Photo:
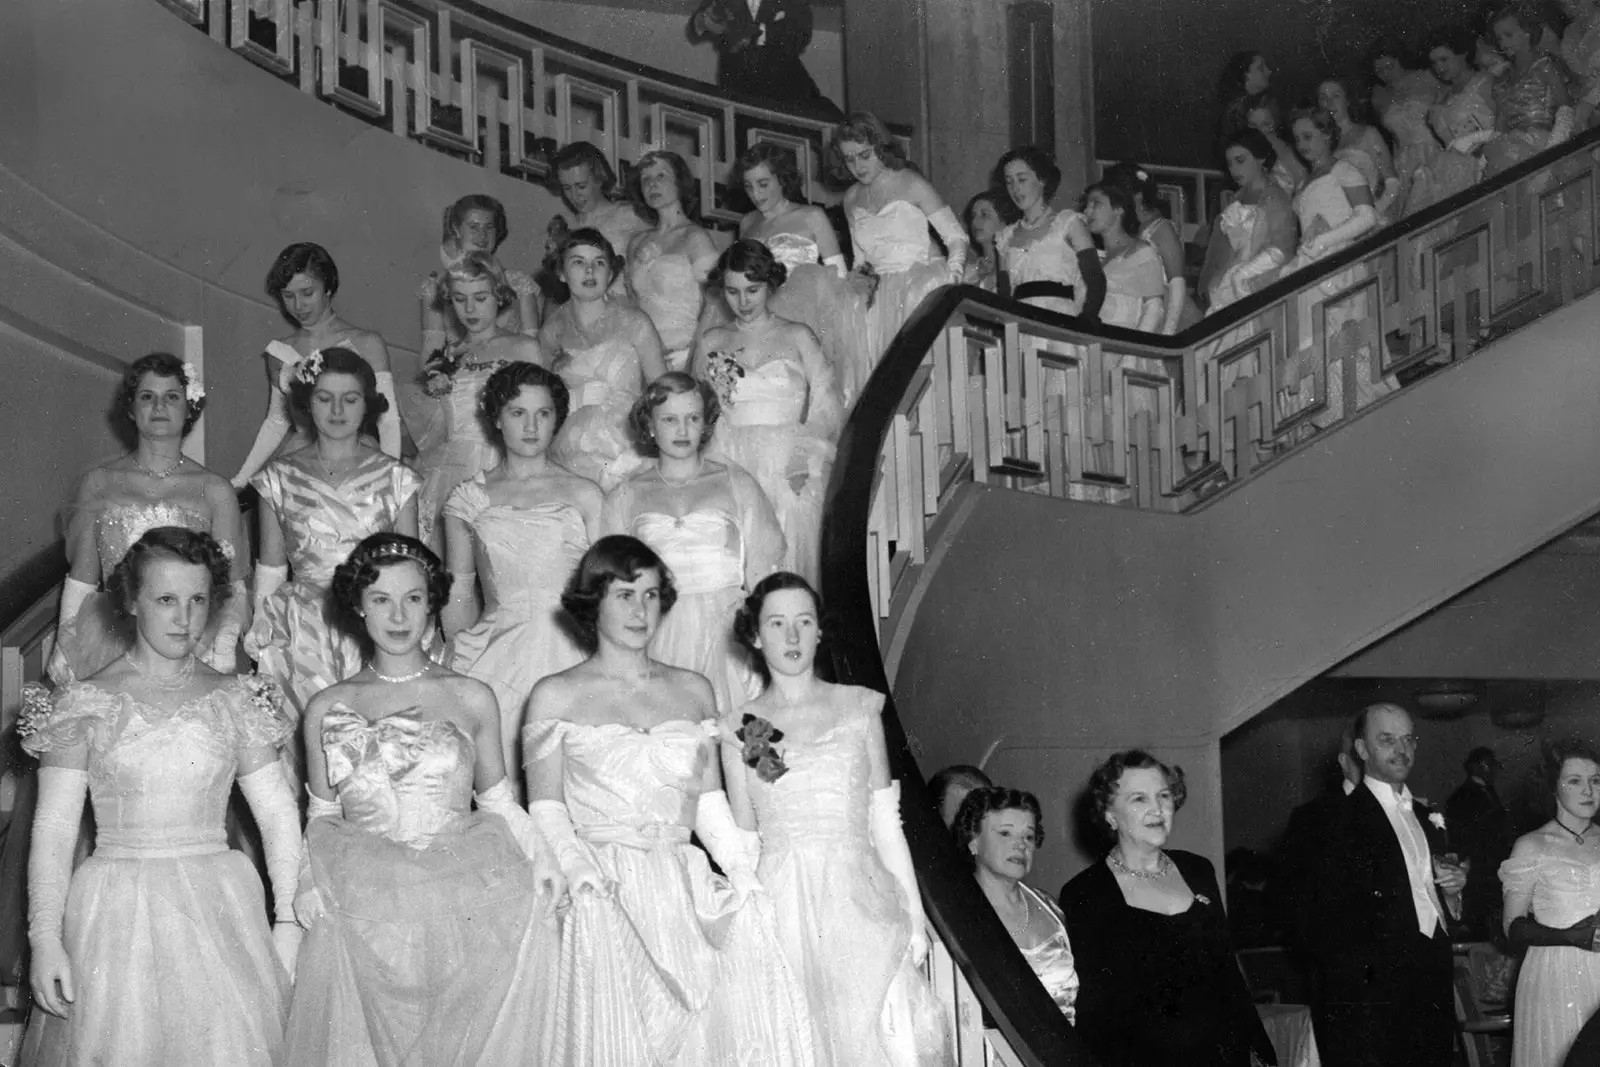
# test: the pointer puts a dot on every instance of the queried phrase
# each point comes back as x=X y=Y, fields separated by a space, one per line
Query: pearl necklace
x=1027 y=916
x=158 y=475
x=1118 y=864
x=173 y=682
x=396 y=679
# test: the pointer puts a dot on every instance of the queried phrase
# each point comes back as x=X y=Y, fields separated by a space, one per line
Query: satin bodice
x=703 y=549
x=120 y=524
x=322 y=523
x=824 y=797
x=667 y=291
x=1322 y=204
x=601 y=372
x=773 y=394
x=1526 y=103
x=793 y=249
x=1464 y=112
x=893 y=239
x=405 y=778
x=524 y=555
x=1047 y=258
x=1238 y=223
x=1051 y=959
x=1131 y=279
x=1564 y=890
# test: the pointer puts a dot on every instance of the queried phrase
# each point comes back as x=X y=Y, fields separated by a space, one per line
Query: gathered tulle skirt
x=1558 y=990
x=815 y=295
x=437 y=955
x=597 y=443
x=697 y=635
x=766 y=452
x=897 y=296
x=174 y=965
x=443 y=467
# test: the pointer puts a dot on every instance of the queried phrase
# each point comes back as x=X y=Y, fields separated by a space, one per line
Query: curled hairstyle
x=1527 y=17
x=1355 y=101
x=583 y=154
x=477 y=266
x=160 y=365
x=673 y=383
x=590 y=237
x=1255 y=142
x=777 y=160
x=863 y=127
x=456 y=214
x=1319 y=118
x=362 y=567
x=1558 y=752
x=682 y=177
x=1458 y=39
x=1121 y=198
x=168 y=542
x=614 y=558
x=747 y=620
x=1036 y=159
x=985 y=801
x=996 y=199
x=941 y=783
x=1103 y=787
x=1230 y=86
x=752 y=259
x=1263 y=102
x=1140 y=181
x=344 y=361
x=306 y=258
x=505 y=384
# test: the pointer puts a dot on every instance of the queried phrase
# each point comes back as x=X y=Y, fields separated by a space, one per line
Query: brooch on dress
x=758 y=736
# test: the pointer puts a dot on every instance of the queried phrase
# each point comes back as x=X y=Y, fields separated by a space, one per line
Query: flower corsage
x=37 y=704
x=194 y=390
x=438 y=372
x=724 y=371
x=758 y=737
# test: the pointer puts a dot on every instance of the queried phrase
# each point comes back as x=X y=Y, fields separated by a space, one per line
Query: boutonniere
x=1437 y=820
x=758 y=736
x=1202 y=898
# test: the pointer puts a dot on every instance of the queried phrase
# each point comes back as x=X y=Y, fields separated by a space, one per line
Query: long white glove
x=836 y=261
x=547 y=877
x=1364 y=219
x=274 y=428
x=736 y=851
x=955 y=240
x=268 y=578
x=56 y=819
x=1561 y=130
x=1471 y=142
x=309 y=907
x=266 y=790
x=551 y=817
x=389 y=421
x=889 y=837
x=235 y=617
x=73 y=594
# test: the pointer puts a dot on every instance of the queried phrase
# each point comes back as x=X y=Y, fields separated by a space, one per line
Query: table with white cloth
x=1288 y=1027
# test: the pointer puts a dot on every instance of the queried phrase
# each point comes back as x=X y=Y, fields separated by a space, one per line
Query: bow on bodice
x=400 y=776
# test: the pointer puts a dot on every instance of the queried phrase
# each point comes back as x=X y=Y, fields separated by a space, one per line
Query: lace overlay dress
x=895 y=242
x=1558 y=988
x=166 y=927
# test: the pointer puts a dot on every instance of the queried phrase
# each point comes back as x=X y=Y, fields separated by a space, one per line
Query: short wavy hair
x=169 y=542
x=456 y=214
x=1320 y=119
x=477 y=266
x=752 y=259
x=1103 y=786
x=747 y=620
x=1121 y=199
x=1230 y=84
x=506 y=383
x=161 y=365
x=673 y=383
x=583 y=154
x=1036 y=159
x=1139 y=180
x=590 y=237
x=1458 y=39
x=1556 y=755
x=863 y=127
x=682 y=177
x=339 y=360
x=1255 y=142
x=995 y=198
x=302 y=257
x=985 y=801
x=614 y=558
x=363 y=566
x=778 y=160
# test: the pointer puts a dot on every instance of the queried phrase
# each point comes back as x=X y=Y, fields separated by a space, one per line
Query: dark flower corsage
x=864 y=280
x=758 y=736
x=438 y=372
x=724 y=371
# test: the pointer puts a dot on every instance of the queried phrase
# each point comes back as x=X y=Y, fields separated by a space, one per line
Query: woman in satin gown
x=781 y=410
x=662 y=962
x=800 y=237
x=303 y=282
x=890 y=208
x=1163 y=235
x=474 y=224
x=1136 y=282
x=711 y=523
x=157 y=950
x=161 y=397
x=811 y=774
x=1256 y=233
x=604 y=351
x=1361 y=145
x=1465 y=107
x=588 y=187
x=1402 y=98
x=431 y=931
x=454 y=447
x=1530 y=98
x=1552 y=891
x=517 y=530
x=1045 y=246
x=667 y=264
x=316 y=505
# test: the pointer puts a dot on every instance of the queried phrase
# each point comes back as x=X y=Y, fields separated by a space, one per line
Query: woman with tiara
x=517 y=530
x=780 y=407
x=157 y=948
x=667 y=264
x=662 y=961
x=604 y=351
x=474 y=225
x=588 y=186
x=1047 y=255
x=711 y=523
x=890 y=208
x=807 y=767
x=161 y=397
x=453 y=447
x=431 y=927
x=302 y=282
x=316 y=504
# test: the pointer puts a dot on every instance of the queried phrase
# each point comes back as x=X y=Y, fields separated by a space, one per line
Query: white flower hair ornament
x=1142 y=175
x=1437 y=820
x=309 y=369
x=194 y=389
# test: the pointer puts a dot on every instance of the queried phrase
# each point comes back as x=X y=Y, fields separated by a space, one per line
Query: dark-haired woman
x=431 y=935
x=890 y=208
x=1264 y=114
x=1255 y=235
x=1159 y=984
x=157 y=949
x=1136 y=283
x=780 y=407
x=1000 y=830
x=1163 y=235
x=588 y=186
x=1552 y=894
x=662 y=961
x=711 y=523
x=810 y=772
x=984 y=217
x=474 y=225
x=316 y=505
x=1361 y=145
x=517 y=530
x=1046 y=246
x=161 y=398
x=1402 y=97
x=1465 y=108
x=302 y=282
x=1246 y=74
x=667 y=265
x=1530 y=98
x=604 y=351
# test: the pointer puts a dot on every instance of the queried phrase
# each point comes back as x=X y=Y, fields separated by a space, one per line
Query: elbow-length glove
x=56 y=818
x=267 y=792
x=499 y=800
x=736 y=851
x=889 y=837
x=551 y=817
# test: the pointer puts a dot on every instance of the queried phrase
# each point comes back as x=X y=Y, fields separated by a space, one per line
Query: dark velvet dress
x=1160 y=990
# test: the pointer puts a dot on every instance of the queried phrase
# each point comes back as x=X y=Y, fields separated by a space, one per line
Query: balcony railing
x=502 y=94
